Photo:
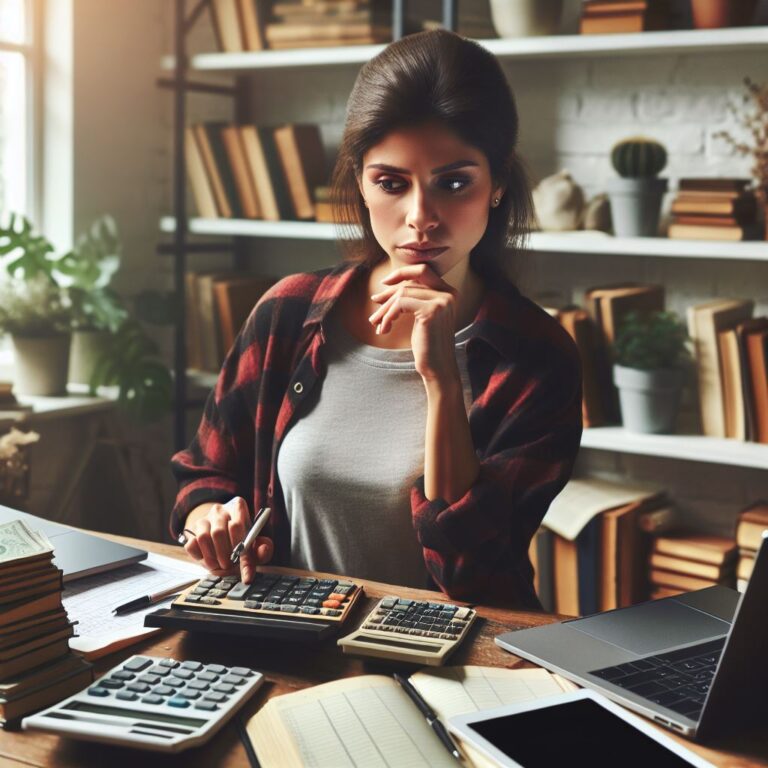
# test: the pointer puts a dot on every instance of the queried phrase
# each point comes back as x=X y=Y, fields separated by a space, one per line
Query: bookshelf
x=710 y=42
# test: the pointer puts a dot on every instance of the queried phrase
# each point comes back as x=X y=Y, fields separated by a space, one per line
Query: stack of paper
x=36 y=667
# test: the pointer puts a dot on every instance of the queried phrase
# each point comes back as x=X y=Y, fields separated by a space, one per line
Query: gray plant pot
x=41 y=364
x=635 y=206
x=649 y=399
x=87 y=347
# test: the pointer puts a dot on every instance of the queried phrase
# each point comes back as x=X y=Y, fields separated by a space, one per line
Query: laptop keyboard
x=678 y=680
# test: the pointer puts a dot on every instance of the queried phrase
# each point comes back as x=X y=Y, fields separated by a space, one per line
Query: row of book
x=730 y=346
x=256 y=172
x=217 y=305
x=37 y=667
x=623 y=16
x=714 y=209
x=256 y=25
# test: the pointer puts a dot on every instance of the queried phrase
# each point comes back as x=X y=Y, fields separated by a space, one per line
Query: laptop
x=78 y=554
x=695 y=663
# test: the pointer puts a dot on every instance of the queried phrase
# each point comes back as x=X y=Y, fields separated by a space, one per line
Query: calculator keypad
x=410 y=617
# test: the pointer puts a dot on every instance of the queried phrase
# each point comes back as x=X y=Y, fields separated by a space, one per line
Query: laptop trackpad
x=651 y=627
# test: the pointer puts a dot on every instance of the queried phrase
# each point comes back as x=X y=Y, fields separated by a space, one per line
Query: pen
x=430 y=716
x=146 y=600
x=258 y=523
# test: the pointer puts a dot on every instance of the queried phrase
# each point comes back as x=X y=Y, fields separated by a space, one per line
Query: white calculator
x=152 y=703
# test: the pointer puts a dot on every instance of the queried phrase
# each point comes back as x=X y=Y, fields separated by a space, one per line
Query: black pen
x=430 y=716
x=146 y=600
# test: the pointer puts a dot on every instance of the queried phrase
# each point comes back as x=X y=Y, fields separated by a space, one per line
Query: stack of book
x=36 y=665
x=590 y=552
x=731 y=349
x=611 y=16
x=685 y=562
x=751 y=525
x=714 y=209
x=255 y=172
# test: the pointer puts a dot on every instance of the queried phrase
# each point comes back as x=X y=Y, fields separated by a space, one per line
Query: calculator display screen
x=576 y=733
x=135 y=714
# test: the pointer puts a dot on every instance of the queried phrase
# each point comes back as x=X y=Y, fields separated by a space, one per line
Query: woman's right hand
x=217 y=529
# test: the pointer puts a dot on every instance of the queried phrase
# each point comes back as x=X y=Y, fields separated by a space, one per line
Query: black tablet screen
x=578 y=733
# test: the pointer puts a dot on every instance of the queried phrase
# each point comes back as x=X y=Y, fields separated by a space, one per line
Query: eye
x=384 y=182
x=449 y=183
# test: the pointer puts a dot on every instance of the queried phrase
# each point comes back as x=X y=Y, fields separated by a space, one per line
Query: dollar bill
x=18 y=542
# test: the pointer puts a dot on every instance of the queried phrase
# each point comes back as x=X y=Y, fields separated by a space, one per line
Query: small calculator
x=273 y=606
x=410 y=630
x=152 y=703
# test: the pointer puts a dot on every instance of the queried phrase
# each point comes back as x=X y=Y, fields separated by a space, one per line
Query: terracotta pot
x=714 y=14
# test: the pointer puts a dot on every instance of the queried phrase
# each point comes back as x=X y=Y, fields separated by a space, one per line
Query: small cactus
x=638 y=158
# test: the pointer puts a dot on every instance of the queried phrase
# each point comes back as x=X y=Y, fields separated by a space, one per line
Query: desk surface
x=288 y=669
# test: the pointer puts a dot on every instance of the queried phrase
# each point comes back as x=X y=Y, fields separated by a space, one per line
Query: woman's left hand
x=418 y=290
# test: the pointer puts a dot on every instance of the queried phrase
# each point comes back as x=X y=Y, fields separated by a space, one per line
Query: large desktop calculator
x=152 y=703
x=410 y=630
x=273 y=606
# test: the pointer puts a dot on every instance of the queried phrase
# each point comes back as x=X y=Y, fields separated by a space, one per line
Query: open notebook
x=370 y=721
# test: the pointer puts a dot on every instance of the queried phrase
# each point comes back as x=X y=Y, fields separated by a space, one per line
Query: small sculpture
x=558 y=201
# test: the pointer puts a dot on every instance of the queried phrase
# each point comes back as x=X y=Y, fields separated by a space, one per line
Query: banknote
x=17 y=542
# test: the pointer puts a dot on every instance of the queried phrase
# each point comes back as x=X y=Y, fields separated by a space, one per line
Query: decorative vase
x=715 y=14
x=41 y=364
x=649 y=400
x=87 y=347
x=524 y=18
x=635 y=205
x=558 y=202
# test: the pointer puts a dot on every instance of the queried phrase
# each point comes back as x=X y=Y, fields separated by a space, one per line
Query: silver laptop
x=78 y=554
x=695 y=663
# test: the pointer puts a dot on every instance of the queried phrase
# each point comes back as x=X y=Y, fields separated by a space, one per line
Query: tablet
x=577 y=728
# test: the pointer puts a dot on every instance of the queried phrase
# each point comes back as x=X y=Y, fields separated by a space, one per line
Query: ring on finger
x=182 y=537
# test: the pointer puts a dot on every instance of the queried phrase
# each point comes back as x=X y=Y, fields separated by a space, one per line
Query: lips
x=421 y=253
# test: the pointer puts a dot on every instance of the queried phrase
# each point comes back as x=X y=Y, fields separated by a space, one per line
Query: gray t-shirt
x=347 y=464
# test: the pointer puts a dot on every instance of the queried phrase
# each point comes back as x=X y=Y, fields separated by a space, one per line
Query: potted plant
x=650 y=353
x=752 y=115
x=715 y=14
x=636 y=195
x=523 y=18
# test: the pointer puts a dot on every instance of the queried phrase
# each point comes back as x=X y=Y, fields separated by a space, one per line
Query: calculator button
x=199 y=685
x=164 y=690
x=138 y=687
x=254 y=605
x=216 y=669
x=207 y=705
x=239 y=591
x=208 y=677
x=192 y=599
x=224 y=688
x=193 y=665
x=158 y=670
x=175 y=702
x=152 y=698
x=174 y=682
x=170 y=663
x=242 y=671
x=199 y=591
x=289 y=608
x=127 y=695
x=189 y=694
x=217 y=593
x=149 y=679
x=331 y=604
x=209 y=581
x=389 y=602
x=98 y=691
x=210 y=601
x=233 y=679
x=217 y=697
x=313 y=602
x=121 y=675
x=183 y=674
x=271 y=607
x=137 y=664
x=309 y=609
x=113 y=684
x=462 y=613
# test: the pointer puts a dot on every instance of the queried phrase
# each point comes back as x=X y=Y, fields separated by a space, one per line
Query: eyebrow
x=441 y=169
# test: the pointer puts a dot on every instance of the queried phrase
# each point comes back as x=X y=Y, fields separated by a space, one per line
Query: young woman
x=408 y=416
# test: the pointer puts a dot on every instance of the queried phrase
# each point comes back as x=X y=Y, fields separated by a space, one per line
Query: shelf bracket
x=195 y=15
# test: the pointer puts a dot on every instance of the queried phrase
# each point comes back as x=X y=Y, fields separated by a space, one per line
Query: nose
x=422 y=214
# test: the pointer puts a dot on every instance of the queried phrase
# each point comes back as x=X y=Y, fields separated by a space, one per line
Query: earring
x=496 y=201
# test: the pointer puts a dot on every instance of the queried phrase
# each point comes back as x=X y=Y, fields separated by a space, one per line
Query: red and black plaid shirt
x=525 y=421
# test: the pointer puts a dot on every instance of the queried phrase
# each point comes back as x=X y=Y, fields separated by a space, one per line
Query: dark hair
x=434 y=76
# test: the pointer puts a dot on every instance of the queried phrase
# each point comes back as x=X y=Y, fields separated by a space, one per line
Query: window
x=19 y=75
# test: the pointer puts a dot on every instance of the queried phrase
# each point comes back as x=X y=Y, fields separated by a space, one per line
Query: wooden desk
x=288 y=669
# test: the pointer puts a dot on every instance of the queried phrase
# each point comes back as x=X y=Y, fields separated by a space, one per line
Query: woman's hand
x=217 y=529
x=418 y=290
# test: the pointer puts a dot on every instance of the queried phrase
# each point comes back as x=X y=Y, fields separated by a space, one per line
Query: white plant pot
x=41 y=364
x=525 y=18
x=87 y=347
x=649 y=400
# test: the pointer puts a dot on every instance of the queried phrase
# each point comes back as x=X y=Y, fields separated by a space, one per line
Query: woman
x=408 y=416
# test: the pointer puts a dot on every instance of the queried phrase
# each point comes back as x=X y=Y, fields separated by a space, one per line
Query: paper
x=18 y=542
x=90 y=602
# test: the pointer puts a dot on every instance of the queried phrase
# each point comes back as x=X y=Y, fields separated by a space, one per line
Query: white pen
x=262 y=516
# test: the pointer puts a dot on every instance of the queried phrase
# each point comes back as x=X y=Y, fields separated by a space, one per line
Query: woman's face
x=425 y=186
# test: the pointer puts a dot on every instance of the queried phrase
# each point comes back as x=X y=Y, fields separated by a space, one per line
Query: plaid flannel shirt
x=525 y=422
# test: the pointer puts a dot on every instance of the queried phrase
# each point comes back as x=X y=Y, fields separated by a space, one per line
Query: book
x=234 y=299
x=703 y=232
x=212 y=171
x=733 y=375
x=331 y=43
x=657 y=593
x=302 y=157
x=660 y=520
x=713 y=184
x=714 y=550
x=238 y=163
x=225 y=16
x=28 y=660
x=755 y=340
x=616 y=23
x=751 y=524
x=707 y=220
x=23 y=609
x=219 y=169
x=36 y=630
x=691 y=567
x=682 y=581
x=705 y=321
x=371 y=710
x=745 y=566
x=741 y=208
x=251 y=14
x=267 y=173
x=208 y=321
x=620 y=541
x=338 y=33
x=199 y=183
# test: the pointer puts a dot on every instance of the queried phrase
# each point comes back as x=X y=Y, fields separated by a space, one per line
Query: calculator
x=273 y=606
x=152 y=703
x=410 y=630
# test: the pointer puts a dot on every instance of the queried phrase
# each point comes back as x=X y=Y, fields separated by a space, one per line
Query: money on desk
x=18 y=542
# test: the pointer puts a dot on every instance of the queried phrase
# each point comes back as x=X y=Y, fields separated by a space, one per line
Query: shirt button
x=298 y=387
x=269 y=491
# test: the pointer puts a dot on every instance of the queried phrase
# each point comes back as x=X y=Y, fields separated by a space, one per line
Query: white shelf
x=571 y=242
x=687 y=447
x=556 y=46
